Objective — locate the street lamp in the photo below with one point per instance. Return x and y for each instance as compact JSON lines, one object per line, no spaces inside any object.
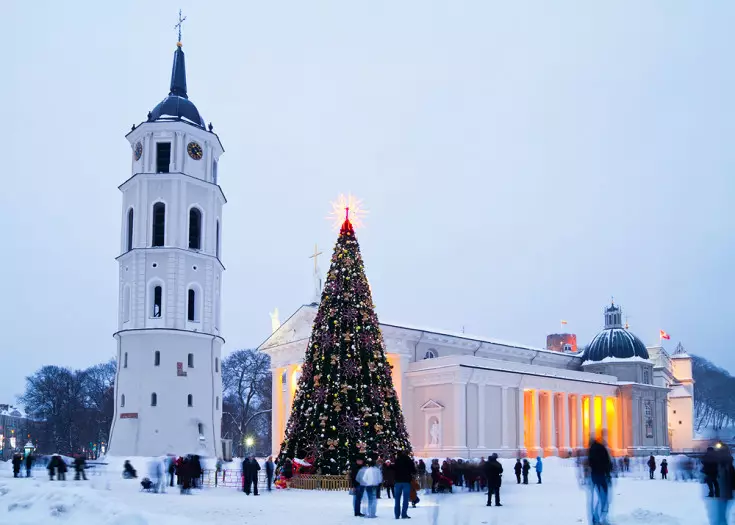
{"x":249,"y":442}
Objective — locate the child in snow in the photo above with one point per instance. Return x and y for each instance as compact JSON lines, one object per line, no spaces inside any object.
{"x":539,"y":469}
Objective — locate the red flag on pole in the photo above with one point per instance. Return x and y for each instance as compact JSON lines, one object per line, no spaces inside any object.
{"x":664,"y":335}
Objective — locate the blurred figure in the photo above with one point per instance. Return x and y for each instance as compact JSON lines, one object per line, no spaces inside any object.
{"x":664,"y":469}
{"x":30,"y":459}
{"x":128,"y":470}
{"x":517,"y":468}
{"x":17,"y":460}
{"x":80,"y":464}
{"x":357,"y":489}
{"x":526,"y":469}
{"x":719,"y":505}
{"x":600,"y":467}
{"x":709,"y":469}
{"x":651,"y":467}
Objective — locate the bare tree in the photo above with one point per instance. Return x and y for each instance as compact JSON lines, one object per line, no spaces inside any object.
{"x":246,"y":384}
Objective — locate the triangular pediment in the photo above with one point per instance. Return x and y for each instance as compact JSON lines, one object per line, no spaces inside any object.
{"x":432,"y":405}
{"x":295,"y":328}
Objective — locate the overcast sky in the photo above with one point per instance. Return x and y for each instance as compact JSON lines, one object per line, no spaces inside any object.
{"x":521,"y":161}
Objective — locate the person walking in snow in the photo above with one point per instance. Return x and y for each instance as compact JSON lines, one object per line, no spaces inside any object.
{"x":600,"y":469}
{"x":539,"y":468}
{"x":369,"y":477}
{"x":270,"y":468}
{"x":16,"y":465}
{"x":518,"y":468}
{"x":79,"y":465}
{"x":664,"y":469}
{"x":357,"y":490}
{"x":526,"y":470}
{"x":652,"y":467}
{"x":405,"y":471}
{"x":493,"y":474}
{"x":29,"y":464}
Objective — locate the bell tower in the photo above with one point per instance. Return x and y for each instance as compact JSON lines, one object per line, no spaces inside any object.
{"x":168,"y":388}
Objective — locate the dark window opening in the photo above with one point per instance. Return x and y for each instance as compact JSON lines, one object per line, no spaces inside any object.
{"x":157,"y":358}
{"x":159,"y":224}
{"x":195,"y":229}
{"x":130,"y":229}
{"x":214,"y":172}
{"x":190,"y":401}
{"x":163,"y":156}
{"x":125,"y":360}
{"x":216,"y":403}
{"x":157,"y":299}
{"x":216,"y":367}
{"x":154,"y":399}
{"x":191,"y":306}
{"x":190,"y":361}
{"x":216,"y":240}
{"x":122,"y":400}
{"x":200,"y":427}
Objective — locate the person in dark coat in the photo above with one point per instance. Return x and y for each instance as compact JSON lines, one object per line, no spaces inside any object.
{"x":61,"y":468}
{"x":664,"y":469}
{"x":389,"y":477}
{"x":17,"y":460}
{"x":526,"y":470}
{"x":493,"y":473}
{"x":709,"y":469}
{"x":270,"y":467}
{"x":171,"y":471}
{"x":195,"y":471}
{"x":52,"y":465}
{"x":29,"y":464}
{"x":435,"y":473}
{"x":246,"y":475}
{"x":253,"y":469}
{"x":357,"y":490}
{"x":652,"y":467}
{"x":288,"y":469}
{"x":128,"y":470}
{"x":600,"y":471}
{"x":517,"y":468}
{"x":79,"y":465}
{"x":405,"y":470}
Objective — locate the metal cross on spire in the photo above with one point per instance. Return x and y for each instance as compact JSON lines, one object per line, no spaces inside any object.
{"x":178,"y":26}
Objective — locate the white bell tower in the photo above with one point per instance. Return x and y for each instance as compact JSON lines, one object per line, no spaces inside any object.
{"x":168,"y":388}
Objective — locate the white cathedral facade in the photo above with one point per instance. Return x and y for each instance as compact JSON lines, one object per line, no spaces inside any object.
{"x":464,"y":396}
{"x":168,"y":387}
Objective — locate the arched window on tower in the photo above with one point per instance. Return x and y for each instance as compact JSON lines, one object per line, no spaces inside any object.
{"x":190,"y":400}
{"x":216,"y":240}
{"x":214,"y":172}
{"x":125,"y":360}
{"x":192,"y":312}
{"x":154,"y":399}
{"x":431,"y":354}
{"x":190,"y":361}
{"x":200,"y":428}
{"x":130,"y":230}
{"x":159,"y":224}
{"x":157,"y":302}
{"x":195,"y":229}
{"x":216,"y":364}
{"x":157,"y":358}
{"x":122,"y":400}
{"x":216,"y":403}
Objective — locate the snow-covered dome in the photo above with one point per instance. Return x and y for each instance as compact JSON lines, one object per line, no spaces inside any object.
{"x":614,"y":341}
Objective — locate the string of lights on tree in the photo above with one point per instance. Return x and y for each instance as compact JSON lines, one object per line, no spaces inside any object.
{"x":346,"y":405}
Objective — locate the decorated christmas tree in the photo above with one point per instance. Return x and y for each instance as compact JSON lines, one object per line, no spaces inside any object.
{"x":346,"y":405}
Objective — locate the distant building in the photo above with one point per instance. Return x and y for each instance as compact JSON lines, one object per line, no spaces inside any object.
{"x":562,"y":342}
{"x":15,"y":426}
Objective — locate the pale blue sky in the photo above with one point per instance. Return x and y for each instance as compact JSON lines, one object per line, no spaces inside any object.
{"x":522,"y":161}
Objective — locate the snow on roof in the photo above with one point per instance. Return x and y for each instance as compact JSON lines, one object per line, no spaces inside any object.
{"x":634,"y":359}
{"x":679,"y":391}
{"x":11,"y":411}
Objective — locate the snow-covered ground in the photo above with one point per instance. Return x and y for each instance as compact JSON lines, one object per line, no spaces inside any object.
{"x":107,"y":499}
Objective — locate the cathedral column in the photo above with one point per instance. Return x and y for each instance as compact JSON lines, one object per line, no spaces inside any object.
{"x":579,"y":427}
{"x":290,"y":388}
{"x":521,"y":419}
{"x":460,"y":420}
{"x":275,"y":415}
{"x":503,"y":416}
{"x":481,"y":414}
{"x":566,"y":423}
{"x":593,"y":429}
{"x":538,"y":398}
{"x":553,"y":429}
{"x":604,"y":414}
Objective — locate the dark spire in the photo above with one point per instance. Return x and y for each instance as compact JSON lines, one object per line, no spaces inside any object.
{"x":178,"y":74}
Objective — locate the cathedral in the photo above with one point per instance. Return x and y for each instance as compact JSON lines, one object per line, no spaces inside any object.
{"x":168,"y":387}
{"x":470,"y":397}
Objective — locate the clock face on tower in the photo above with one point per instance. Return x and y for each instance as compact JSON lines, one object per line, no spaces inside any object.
{"x":138,"y":150}
{"x":195,"y":150}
